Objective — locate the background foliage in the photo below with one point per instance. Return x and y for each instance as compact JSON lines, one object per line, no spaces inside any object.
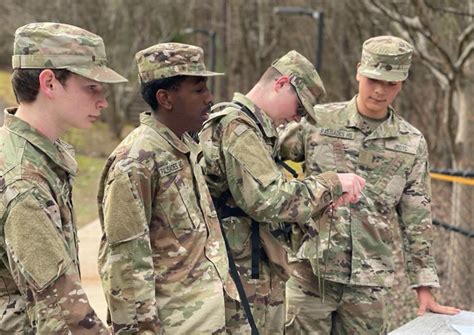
{"x":437,"y":98}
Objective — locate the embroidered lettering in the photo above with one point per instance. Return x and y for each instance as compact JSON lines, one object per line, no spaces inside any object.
{"x":171,"y":168}
{"x":337,"y":133}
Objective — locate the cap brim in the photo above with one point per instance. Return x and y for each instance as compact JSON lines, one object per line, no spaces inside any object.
{"x":200,"y":74}
{"x":382,"y":75}
{"x":101,"y":74}
{"x":308,"y":106}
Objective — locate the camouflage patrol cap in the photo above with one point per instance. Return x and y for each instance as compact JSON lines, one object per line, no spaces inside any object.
{"x":166,"y":60}
{"x":47,"y":45}
{"x":304,"y":78}
{"x":385,"y":58}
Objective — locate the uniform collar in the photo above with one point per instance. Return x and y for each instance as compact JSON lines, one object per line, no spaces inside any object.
{"x":262,"y":117}
{"x":60,"y":152}
{"x":389,"y":128}
{"x":167,"y":134}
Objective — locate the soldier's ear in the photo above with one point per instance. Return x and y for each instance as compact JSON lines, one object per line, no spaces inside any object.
{"x":280,"y":82}
{"x":164,"y":98}
{"x":47,"y":83}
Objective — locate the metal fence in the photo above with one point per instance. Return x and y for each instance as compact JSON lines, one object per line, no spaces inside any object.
{"x":453,"y":246}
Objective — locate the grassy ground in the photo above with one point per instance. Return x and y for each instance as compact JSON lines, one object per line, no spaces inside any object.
{"x":86,"y":185}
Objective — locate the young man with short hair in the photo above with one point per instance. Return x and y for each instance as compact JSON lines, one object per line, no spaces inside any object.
{"x":240,"y":146}
{"x":162,"y":260}
{"x":354,"y":261}
{"x":58,"y":77}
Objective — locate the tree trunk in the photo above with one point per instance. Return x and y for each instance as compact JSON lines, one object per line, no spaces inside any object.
{"x":461,"y":248}
{"x":112,"y":114}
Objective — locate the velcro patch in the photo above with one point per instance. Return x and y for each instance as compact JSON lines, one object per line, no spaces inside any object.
{"x":170,"y":168}
{"x":34,"y":242}
{"x":124,"y":216}
{"x":337,"y":133}
{"x":240,"y":129}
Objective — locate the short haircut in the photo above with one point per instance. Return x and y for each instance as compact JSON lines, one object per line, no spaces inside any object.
{"x":25,"y":82}
{"x":269,"y":75}
{"x":150,"y":88}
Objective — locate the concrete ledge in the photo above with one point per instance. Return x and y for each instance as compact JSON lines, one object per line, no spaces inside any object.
{"x":439,"y":324}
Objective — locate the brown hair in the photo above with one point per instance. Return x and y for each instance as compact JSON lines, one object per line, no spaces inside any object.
{"x":25,"y":82}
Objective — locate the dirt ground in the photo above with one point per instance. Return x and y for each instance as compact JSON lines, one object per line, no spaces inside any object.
{"x":89,"y":237}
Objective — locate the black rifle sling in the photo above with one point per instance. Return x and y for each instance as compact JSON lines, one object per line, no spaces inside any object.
{"x":219,"y":204}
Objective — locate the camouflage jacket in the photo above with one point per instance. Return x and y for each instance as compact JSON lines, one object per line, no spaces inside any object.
{"x":239,"y":158}
{"x":38,"y":241}
{"x":394,"y":161}
{"x":162,"y":260}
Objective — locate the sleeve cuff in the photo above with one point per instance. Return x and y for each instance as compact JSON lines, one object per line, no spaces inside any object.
{"x":331,"y":181}
{"x":425,"y":277}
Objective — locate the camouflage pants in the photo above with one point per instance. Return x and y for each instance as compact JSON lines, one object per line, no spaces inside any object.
{"x":13,"y":317}
{"x":347,"y":309}
{"x":268,"y":309}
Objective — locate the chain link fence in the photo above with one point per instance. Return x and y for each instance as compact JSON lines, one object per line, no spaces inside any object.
{"x":453,"y":246}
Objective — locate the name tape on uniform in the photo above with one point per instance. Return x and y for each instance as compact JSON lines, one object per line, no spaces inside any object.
{"x":171,"y":168}
{"x":337,"y":133}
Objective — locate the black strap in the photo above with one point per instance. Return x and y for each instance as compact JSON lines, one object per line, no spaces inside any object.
{"x":225,"y":211}
{"x":238,"y":283}
{"x":284,"y":230}
{"x":251,"y":115}
{"x":288,"y":168}
{"x":256,"y":249}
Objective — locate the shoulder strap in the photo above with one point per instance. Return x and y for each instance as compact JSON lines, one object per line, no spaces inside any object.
{"x":246,"y":111}
{"x":224,"y":104}
{"x":219,"y":204}
{"x":240,"y":287}
{"x":276,"y":159}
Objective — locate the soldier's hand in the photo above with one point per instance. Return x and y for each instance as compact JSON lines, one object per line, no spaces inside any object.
{"x":352,"y":186}
{"x":427,"y":302}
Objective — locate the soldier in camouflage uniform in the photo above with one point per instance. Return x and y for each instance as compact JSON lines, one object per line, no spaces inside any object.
{"x":57,"y":79}
{"x":367,"y":137}
{"x":239,"y":146}
{"x":162,"y":259}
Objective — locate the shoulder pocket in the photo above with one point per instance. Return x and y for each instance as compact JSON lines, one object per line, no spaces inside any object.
{"x":124,"y":215}
{"x":34,"y":243}
{"x":251,"y":154}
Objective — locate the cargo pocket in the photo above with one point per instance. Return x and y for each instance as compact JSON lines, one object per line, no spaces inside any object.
{"x":179,"y":205}
{"x":292,"y":326}
{"x":237,"y":231}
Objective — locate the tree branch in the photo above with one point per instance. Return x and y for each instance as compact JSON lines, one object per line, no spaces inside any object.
{"x":414,"y":24}
{"x":467,"y":52}
{"x":463,"y":37}
{"x":449,"y":10}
